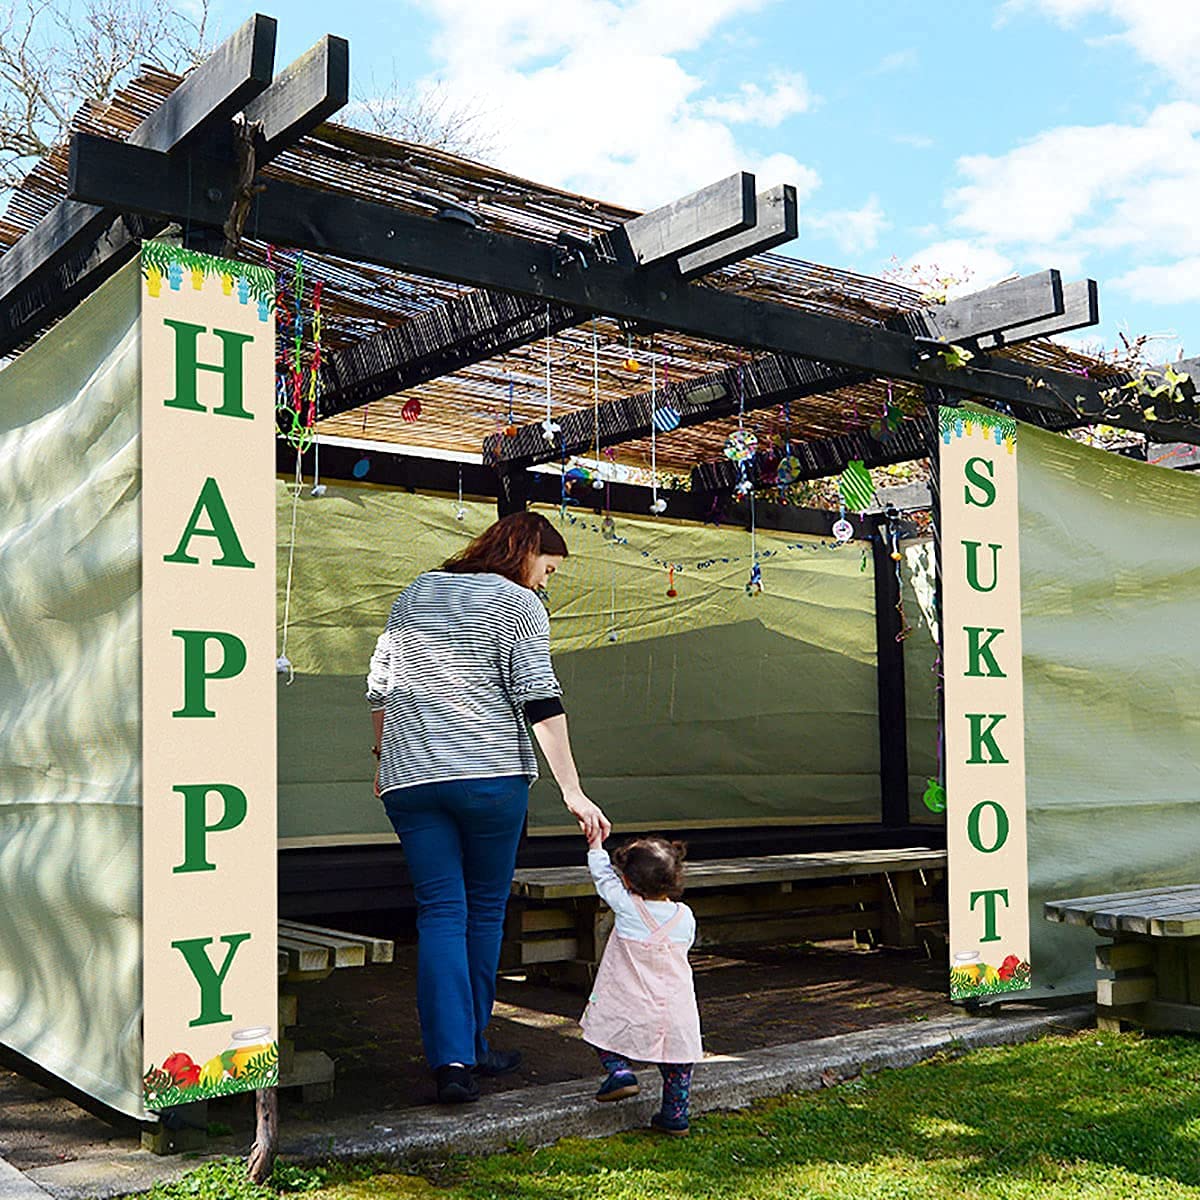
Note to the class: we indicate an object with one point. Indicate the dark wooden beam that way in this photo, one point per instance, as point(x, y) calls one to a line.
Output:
point(300, 97)
point(78, 246)
point(1007, 305)
point(233, 74)
point(129, 178)
point(778, 221)
point(1081, 308)
point(715, 212)
point(454, 335)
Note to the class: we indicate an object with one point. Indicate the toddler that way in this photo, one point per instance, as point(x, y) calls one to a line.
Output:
point(643, 1003)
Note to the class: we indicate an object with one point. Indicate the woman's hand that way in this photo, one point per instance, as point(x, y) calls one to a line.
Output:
point(595, 825)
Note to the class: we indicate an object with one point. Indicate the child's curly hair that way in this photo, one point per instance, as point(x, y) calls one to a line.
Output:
point(652, 866)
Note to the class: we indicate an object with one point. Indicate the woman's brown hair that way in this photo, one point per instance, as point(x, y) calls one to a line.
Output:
point(506, 547)
point(652, 866)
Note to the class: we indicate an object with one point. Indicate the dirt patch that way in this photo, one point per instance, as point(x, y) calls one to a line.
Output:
point(366, 1019)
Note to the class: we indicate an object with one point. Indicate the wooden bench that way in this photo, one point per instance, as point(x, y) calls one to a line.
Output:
point(308, 954)
point(555, 919)
point(1148, 975)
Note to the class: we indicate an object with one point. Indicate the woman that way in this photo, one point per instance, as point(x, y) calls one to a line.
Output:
point(463, 664)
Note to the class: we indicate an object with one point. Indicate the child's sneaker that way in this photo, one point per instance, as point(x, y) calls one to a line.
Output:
point(618, 1086)
point(671, 1126)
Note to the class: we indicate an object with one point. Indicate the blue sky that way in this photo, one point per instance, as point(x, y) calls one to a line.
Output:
point(963, 137)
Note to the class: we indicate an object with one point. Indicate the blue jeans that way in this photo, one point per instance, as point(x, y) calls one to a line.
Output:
point(460, 841)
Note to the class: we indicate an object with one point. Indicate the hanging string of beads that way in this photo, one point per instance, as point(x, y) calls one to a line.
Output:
point(297, 365)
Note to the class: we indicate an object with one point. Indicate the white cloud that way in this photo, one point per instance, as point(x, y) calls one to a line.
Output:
point(1073, 195)
point(916, 141)
point(898, 60)
point(854, 230)
point(595, 97)
point(1172, 283)
point(1166, 33)
point(787, 95)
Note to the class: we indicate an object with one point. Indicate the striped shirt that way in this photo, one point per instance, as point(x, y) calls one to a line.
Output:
point(460, 658)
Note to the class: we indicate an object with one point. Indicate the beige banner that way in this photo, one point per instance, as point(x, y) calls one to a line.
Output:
point(208, 676)
point(984, 705)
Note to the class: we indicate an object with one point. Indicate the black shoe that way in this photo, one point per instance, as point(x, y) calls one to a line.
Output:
point(497, 1062)
point(455, 1085)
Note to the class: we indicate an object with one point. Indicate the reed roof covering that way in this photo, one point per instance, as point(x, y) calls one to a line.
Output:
point(459, 410)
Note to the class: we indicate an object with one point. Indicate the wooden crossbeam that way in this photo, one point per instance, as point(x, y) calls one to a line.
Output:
point(777, 221)
point(129, 178)
point(1081, 308)
point(439, 342)
point(690, 223)
point(233, 74)
point(1006, 305)
point(77, 246)
point(301, 96)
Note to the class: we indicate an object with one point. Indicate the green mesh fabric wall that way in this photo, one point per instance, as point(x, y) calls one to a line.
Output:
point(70, 706)
point(1110, 605)
point(712, 707)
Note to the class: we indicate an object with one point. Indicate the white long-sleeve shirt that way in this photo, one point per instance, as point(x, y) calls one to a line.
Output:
point(629, 921)
point(460, 658)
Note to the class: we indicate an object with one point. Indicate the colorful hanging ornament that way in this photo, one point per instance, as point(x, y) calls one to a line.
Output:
point(666, 419)
point(754, 583)
point(671, 592)
point(934, 798)
point(788, 471)
point(855, 486)
point(740, 445)
point(843, 531)
point(411, 410)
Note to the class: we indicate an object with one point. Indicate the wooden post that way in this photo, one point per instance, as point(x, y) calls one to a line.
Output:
point(889, 672)
point(266, 1135)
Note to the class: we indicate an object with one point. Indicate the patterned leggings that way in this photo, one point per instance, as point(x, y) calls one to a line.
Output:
point(676, 1077)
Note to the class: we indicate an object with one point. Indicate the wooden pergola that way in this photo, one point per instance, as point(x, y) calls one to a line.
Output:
point(447, 279)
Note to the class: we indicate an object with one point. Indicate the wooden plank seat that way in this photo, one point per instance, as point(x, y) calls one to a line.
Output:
point(1148, 975)
point(309, 954)
point(557, 924)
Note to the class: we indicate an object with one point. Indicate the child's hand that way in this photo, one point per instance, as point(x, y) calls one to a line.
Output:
point(595, 840)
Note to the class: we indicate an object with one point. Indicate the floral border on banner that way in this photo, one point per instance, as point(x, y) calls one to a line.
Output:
point(182, 1080)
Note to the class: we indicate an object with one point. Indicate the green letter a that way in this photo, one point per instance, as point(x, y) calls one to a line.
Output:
point(212, 504)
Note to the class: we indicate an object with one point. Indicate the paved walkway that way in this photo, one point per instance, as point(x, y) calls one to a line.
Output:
point(539, 1115)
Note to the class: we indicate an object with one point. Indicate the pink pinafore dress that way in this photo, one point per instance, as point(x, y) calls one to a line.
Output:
point(643, 1003)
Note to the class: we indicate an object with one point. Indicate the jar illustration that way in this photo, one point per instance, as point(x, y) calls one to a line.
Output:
point(243, 286)
point(245, 1045)
point(174, 275)
point(226, 283)
point(967, 966)
point(264, 309)
point(154, 281)
point(197, 277)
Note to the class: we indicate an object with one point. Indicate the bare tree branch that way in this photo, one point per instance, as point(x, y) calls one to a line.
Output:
point(55, 58)
point(426, 114)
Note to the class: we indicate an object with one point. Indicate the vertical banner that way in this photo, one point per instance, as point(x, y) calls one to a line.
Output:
point(208, 677)
point(984, 705)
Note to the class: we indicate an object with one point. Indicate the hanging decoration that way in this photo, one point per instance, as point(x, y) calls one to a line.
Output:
point(411, 410)
point(671, 592)
point(842, 529)
point(510, 428)
point(658, 505)
point(754, 583)
point(889, 420)
point(855, 486)
point(934, 797)
point(296, 366)
point(631, 363)
point(741, 446)
point(460, 513)
point(550, 427)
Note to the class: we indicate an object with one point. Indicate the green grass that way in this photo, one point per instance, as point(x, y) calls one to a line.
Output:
point(1091, 1115)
